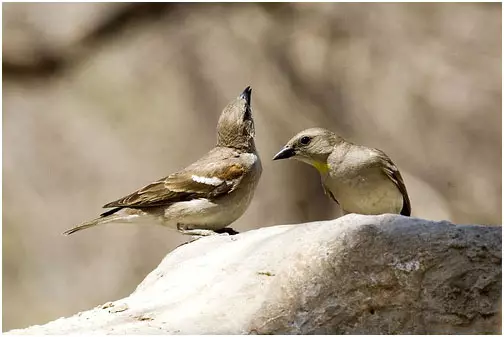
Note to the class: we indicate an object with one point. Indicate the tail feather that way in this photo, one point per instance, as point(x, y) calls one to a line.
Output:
point(81, 227)
point(111, 211)
point(406, 210)
point(98, 221)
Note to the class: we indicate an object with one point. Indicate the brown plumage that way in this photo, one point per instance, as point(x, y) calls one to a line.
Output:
point(180, 186)
point(393, 173)
point(207, 195)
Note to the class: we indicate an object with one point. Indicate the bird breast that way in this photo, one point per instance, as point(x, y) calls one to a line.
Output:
point(365, 191)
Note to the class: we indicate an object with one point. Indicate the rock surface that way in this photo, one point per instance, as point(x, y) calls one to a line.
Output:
point(354, 275)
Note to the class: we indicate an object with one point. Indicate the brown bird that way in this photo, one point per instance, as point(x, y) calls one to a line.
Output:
point(360, 179)
point(206, 196)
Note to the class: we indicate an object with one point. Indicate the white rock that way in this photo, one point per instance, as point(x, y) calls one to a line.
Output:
point(353, 275)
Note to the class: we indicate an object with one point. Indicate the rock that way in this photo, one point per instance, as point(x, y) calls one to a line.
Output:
point(358, 274)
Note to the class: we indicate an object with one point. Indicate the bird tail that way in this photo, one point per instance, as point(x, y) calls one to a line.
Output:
point(98, 221)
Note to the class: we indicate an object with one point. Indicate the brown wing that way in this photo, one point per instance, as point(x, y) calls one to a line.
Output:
point(393, 173)
point(329, 193)
point(204, 179)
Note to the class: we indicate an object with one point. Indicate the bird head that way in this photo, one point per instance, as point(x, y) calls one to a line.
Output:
point(311, 146)
point(236, 126)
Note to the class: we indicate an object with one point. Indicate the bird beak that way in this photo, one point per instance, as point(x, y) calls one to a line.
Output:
point(285, 153)
point(246, 94)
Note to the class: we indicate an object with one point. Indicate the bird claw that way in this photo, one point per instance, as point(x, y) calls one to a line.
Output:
point(226, 230)
point(205, 232)
point(197, 234)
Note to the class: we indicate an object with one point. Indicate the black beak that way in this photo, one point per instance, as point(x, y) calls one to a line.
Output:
point(285, 153)
point(247, 94)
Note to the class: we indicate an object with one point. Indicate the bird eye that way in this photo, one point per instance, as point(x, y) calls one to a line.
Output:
point(305, 140)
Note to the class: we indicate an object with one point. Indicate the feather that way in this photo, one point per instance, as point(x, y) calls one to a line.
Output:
point(214, 175)
point(393, 173)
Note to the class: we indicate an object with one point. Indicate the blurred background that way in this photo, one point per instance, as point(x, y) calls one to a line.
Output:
point(101, 99)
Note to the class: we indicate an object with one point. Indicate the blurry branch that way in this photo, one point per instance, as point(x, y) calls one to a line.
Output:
point(51, 62)
point(44, 65)
point(130, 15)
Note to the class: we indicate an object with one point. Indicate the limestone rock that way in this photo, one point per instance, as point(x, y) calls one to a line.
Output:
point(357, 274)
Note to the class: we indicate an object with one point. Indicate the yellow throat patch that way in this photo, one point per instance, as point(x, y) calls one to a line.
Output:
point(321, 167)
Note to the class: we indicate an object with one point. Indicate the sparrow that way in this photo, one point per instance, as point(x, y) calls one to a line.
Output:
point(360, 179)
point(206, 196)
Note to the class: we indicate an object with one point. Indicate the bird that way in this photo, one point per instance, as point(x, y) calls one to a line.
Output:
point(360, 179)
point(206, 196)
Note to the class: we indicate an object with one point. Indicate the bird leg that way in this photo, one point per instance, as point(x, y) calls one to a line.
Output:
point(199, 233)
point(205, 232)
point(183, 229)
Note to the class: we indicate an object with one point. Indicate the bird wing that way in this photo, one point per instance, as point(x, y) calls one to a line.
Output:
point(328, 192)
point(210, 177)
point(393, 173)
